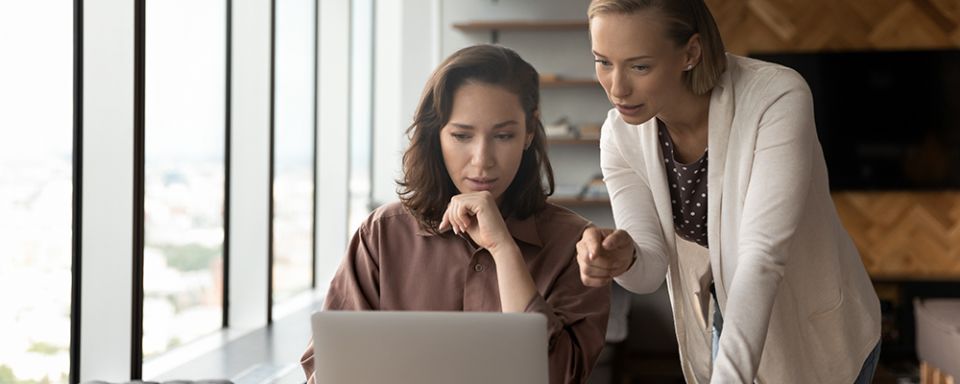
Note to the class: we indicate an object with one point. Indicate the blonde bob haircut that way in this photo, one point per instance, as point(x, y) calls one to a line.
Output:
point(684, 19)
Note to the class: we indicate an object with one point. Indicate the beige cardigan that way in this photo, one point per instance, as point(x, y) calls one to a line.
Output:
point(797, 303)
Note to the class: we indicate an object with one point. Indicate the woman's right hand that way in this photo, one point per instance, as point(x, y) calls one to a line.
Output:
point(477, 215)
point(604, 254)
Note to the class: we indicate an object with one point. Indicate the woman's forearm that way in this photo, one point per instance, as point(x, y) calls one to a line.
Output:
point(516, 284)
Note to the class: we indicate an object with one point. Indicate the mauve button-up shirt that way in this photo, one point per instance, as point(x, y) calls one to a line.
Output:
point(392, 264)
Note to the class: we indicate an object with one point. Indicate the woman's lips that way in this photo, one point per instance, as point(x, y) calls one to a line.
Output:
point(629, 110)
point(481, 184)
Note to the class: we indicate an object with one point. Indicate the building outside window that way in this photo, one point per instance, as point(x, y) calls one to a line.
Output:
point(36, 187)
point(185, 97)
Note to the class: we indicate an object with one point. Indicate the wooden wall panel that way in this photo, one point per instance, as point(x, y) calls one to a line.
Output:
point(904, 235)
point(901, 235)
point(816, 25)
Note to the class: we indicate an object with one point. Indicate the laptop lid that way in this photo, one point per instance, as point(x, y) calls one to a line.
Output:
point(429, 347)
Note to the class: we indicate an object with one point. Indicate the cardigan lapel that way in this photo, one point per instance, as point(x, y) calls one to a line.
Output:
point(720, 118)
point(657, 179)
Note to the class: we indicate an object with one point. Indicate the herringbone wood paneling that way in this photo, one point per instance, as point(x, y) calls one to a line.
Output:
point(904, 235)
point(900, 235)
point(814, 25)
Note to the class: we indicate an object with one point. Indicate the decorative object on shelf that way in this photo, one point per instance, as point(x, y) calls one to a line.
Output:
point(589, 131)
point(549, 77)
point(555, 80)
point(591, 193)
point(567, 192)
point(560, 129)
point(594, 189)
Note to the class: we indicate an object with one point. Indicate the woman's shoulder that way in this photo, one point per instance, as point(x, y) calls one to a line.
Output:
point(615, 130)
point(750, 73)
point(393, 214)
point(389, 210)
point(557, 221)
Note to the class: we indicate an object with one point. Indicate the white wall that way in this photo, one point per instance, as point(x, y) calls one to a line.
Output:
point(405, 53)
point(107, 220)
point(250, 164)
point(333, 137)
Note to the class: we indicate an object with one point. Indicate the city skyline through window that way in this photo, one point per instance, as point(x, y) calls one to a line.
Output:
point(36, 187)
point(185, 101)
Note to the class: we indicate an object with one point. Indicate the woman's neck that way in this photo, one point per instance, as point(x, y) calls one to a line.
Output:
point(688, 114)
point(687, 123)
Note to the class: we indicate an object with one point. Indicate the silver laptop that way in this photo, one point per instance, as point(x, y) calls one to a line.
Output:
point(378, 347)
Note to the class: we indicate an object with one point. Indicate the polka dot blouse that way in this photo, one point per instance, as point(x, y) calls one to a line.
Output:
point(688, 191)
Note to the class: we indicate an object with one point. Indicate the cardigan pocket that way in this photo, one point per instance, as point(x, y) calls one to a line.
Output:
point(834, 304)
point(831, 349)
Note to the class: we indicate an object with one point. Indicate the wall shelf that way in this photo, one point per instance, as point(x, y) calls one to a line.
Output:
point(590, 142)
point(494, 27)
point(570, 148)
point(571, 202)
point(523, 25)
point(559, 83)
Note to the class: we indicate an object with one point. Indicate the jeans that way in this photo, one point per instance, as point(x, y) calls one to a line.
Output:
point(866, 372)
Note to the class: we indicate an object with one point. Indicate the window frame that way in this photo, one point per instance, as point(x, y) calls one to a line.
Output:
point(108, 125)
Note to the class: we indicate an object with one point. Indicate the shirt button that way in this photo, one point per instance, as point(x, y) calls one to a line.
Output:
point(478, 267)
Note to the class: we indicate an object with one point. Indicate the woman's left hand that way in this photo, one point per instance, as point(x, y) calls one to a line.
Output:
point(477, 215)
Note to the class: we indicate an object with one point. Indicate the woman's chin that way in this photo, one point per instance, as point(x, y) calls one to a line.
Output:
point(635, 120)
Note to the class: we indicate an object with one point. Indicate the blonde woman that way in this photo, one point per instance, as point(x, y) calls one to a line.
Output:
point(718, 182)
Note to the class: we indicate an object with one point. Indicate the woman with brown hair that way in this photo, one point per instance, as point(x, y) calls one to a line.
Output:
point(718, 183)
point(473, 230)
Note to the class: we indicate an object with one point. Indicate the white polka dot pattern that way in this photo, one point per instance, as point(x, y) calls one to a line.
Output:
point(688, 195)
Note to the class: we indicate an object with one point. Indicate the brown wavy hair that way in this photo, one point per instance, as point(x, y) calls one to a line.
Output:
point(426, 188)
point(684, 19)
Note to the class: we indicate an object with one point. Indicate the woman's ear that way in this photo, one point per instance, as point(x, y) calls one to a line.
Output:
point(530, 132)
point(693, 51)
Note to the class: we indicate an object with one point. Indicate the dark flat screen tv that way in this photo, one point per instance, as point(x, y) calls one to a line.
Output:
point(887, 120)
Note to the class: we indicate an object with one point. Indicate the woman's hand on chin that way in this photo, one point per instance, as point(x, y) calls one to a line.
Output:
point(477, 215)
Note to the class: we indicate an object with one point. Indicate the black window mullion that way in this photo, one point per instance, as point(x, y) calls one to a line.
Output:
point(316, 73)
point(139, 124)
point(272, 171)
point(373, 79)
point(226, 176)
point(77, 181)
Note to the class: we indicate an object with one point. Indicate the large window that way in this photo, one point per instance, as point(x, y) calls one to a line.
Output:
point(185, 97)
point(293, 185)
point(36, 135)
point(361, 110)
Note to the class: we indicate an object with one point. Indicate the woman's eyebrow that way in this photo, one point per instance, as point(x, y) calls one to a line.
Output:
point(628, 59)
point(495, 126)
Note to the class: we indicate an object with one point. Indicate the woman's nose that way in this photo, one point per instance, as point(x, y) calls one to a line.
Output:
point(619, 85)
point(482, 154)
